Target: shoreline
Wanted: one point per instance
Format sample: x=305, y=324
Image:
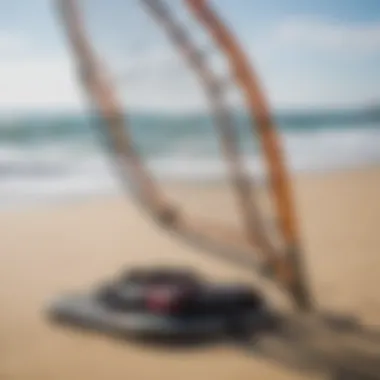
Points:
x=75, y=199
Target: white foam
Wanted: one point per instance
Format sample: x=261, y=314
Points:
x=304, y=151
x=333, y=149
x=61, y=171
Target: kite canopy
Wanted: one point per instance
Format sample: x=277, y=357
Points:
x=253, y=244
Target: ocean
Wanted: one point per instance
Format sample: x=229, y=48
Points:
x=52, y=157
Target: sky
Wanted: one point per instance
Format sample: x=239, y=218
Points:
x=308, y=53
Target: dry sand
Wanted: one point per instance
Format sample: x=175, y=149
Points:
x=52, y=249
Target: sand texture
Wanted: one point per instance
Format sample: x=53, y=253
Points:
x=51, y=249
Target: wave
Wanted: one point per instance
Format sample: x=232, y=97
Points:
x=81, y=127
x=72, y=168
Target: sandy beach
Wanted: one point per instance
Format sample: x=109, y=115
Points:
x=46, y=250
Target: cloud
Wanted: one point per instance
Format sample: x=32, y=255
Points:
x=149, y=75
x=307, y=62
x=156, y=77
x=37, y=84
x=153, y=77
x=48, y=82
x=30, y=80
x=331, y=36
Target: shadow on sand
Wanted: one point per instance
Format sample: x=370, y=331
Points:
x=337, y=347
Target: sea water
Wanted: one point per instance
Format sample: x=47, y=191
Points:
x=50, y=157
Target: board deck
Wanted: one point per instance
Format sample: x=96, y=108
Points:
x=86, y=311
